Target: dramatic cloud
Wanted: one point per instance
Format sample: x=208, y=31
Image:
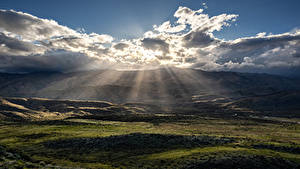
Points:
x=31, y=27
x=198, y=39
x=13, y=46
x=155, y=44
x=29, y=43
x=49, y=61
x=272, y=53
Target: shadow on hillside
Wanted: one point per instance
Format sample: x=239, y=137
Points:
x=137, y=141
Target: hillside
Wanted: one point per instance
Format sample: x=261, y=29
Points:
x=172, y=89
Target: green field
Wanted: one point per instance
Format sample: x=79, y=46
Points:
x=151, y=141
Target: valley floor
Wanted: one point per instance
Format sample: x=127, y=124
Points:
x=162, y=141
x=42, y=133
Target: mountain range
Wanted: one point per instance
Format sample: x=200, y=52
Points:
x=174, y=90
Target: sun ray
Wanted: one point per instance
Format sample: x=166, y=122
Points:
x=135, y=92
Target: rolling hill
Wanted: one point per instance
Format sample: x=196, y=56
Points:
x=167, y=90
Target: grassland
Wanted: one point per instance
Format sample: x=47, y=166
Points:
x=42, y=133
x=167, y=142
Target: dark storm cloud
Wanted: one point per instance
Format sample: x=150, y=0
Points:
x=155, y=44
x=121, y=46
x=190, y=59
x=14, y=44
x=259, y=42
x=297, y=55
x=51, y=61
x=254, y=47
x=198, y=39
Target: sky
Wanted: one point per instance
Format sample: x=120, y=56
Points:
x=131, y=18
x=71, y=35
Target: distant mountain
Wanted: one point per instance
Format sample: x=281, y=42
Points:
x=167, y=86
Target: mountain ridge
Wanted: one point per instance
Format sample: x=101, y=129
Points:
x=166, y=86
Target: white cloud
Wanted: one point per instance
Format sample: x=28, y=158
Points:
x=202, y=22
x=168, y=28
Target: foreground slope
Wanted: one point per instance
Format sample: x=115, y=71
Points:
x=43, y=133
